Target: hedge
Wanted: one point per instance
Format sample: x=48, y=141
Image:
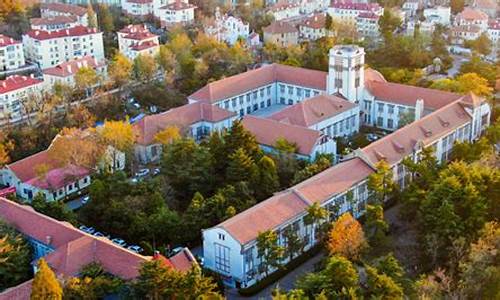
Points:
x=278, y=274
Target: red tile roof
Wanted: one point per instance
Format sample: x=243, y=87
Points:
x=279, y=27
x=73, y=248
x=408, y=95
x=16, y=82
x=368, y=15
x=356, y=6
x=53, y=20
x=144, y=45
x=182, y=116
x=178, y=5
x=268, y=131
x=73, y=31
x=56, y=177
x=137, y=32
x=494, y=24
x=7, y=41
x=268, y=74
x=268, y=214
x=71, y=67
x=183, y=261
x=139, y=1
x=316, y=21
x=283, y=5
x=397, y=145
x=18, y=292
x=313, y=110
x=334, y=180
x=471, y=14
x=64, y=8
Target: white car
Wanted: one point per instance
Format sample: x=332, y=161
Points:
x=119, y=242
x=85, y=199
x=135, y=248
x=142, y=173
x=89, y=230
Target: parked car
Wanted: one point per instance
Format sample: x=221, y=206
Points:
x=135, y=248
x=136, y=105
x=89, y=230
x=156, y=171
x=119, y=242
x=100, y=234
x=142, y=173
x=371, y=137
x=176, y=250
x=85, y=199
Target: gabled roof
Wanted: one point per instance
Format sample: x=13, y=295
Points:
x=316, y=21
x=313, y=110
x=53, y=20
x=268, y=74
x=178, y=5
x=73, y=31
x=269, y=214
x=355, y=6
x=144, y=45
x=64, y=8
x=181, y=116
x=7, y=41
x=137, y=32
x=279, y=27
x=472, y=14
x=397, y=145
x=408, y=95
x=283, y=5
x=70, y=68
x=268, y=131
x=183, y=261
x=16, y=82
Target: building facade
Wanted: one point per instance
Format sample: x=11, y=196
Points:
x=65, y=73
x=11, y=53
x=14, y=90
x=179, y=12
x=281, y=33
x=227, y=28
x=135, y=40
x=52, y=10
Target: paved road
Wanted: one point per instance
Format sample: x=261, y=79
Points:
x=285, y=283
x=458, y=60
x=75, y=204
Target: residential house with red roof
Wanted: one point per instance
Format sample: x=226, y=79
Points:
x=347, y=11
x=176, y=12
x=65, y=72
x=313, y=27
x=494, y=33
x=54, y=23
x=135, y=40
x=55, y=9
x=196, y=120
x=281, y=33
x=489, y=7
x=138, y=8
x=472, y=17
x=284, y=9
x=51, y=48
x=11, y=53
x=230, y=248
x=67, y=249
x=226, y=28
x=13, y=91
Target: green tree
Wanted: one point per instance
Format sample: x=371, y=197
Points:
x=45, y=284
x=388, y=23
x=269, y=251
x=241, y=167
x=482, y=67
x=15, y=257
x=381, y=286
x=239, y=137
x=375, y=225
x=336, y=280
x=105, y=19
x=381, y=183
x=268, y=182
x=294, y=244
x=320, y=164
x=55, y=209
x=86, y=78
x=283, y=145
x=315, y=218
x=328, y=22
x=481, y=45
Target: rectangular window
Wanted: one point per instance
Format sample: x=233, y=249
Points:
x=242, y=112
x=299, y=92
x=380, y=107
x=249, y=109
x=262, y=104
x=390, y=109
x=268, y=90
x=233, y=102
x=316, y=93
x=261, y=92
x=226, y=104
x=290, y=102
x=282, y=88
x=222, y=259
x=390, y=123
x=282, y=100
x=248, y=98
x=308, y=93
x=268, y=102
x=380, y=122
x=255, y=95
x=241, y=100
x=290, y=90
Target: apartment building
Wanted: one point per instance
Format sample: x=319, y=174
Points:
x=135, y=40
x=283, y=9
x=178, y=12
x=138, y=8
x=281, y=33
x=65, y=72
x=54, y=23
x=349, y=11
x=56, y=9
x=51, y=48
x=13, y=91
x=11, y=53
x=313, y=27
x=227, y=28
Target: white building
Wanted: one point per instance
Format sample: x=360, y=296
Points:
x=52, y=10
x=65, y=72
x=196, y=120
x=227, y=28
x=51, y=48
x=367, y=25
x=11, y=53
x=472, y=17
x=138, y=8
x=313, y=27
x=313, y=6
x=135, y=40
x=438, y=15
x=348, y=12
x=175, y=13
x=411, y=7
x=54, y=23
x=494, y=32
x=284, y=10
x=13, y=91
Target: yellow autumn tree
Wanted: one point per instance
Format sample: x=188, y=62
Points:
x=75, y=147
x=346, y=237
x=120, y=70
x=45, y=285
x=168, y=135
x=5, y=147
x=118, y=134
x=8, y=7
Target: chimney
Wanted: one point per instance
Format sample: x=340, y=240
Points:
x=48, y=239
x=37, y=32
x=69, y=68
x=419, y=109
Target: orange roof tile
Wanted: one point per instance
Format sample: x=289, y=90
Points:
x=268, y=131
x=71, y=67
x=181, y=116
x=313, y=110
x=279, y=27
x=268, y=74
x=64, y=8
x=471, y=14
x=18, y=292
x=183, y=261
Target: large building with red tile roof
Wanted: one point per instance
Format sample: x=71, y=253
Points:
x=134, y=40
x=54, y=23
x=67, y=249
x=52, y=10
x=176, y=12
x=284, y=9
x=230, y=247
x=65, y=72
x=13, y=90
x=196, y=120
x=281, y=33
x=11, y=53
x=51, y=48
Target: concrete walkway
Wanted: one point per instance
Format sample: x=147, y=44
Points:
x=285, y=283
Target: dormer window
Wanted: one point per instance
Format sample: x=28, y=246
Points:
x=222, y=237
